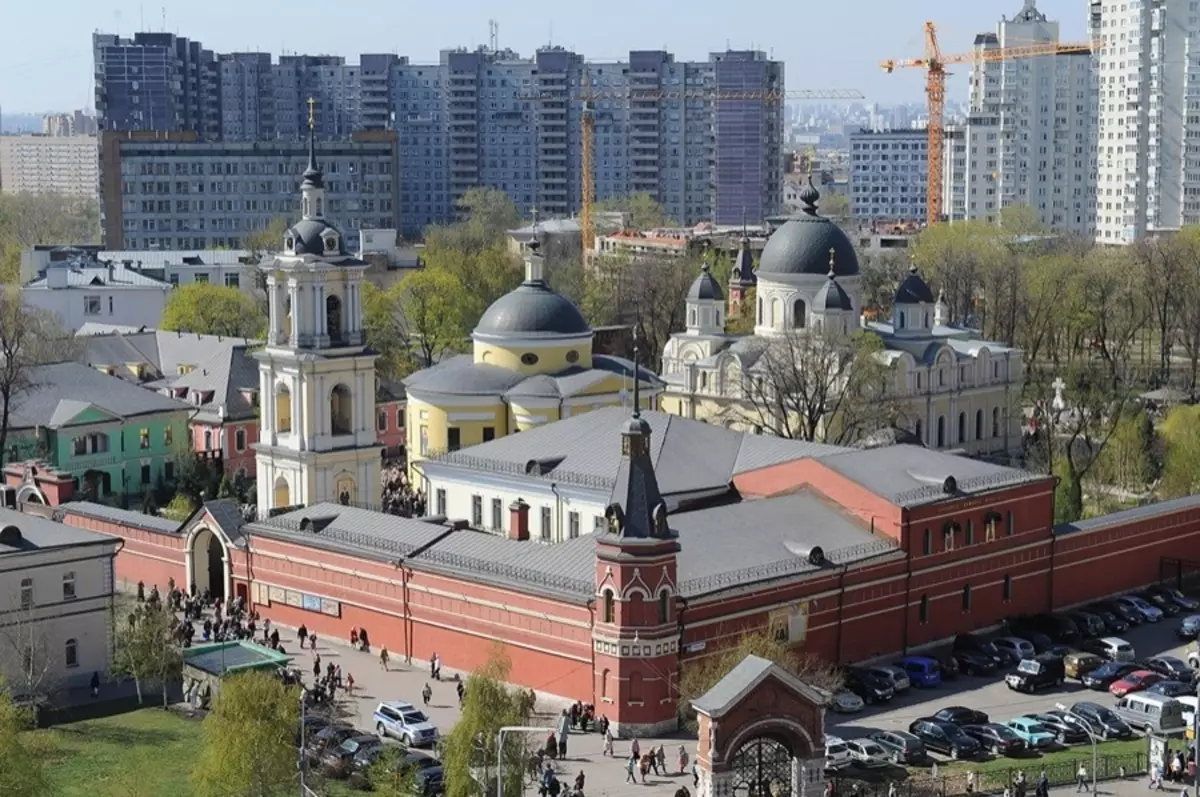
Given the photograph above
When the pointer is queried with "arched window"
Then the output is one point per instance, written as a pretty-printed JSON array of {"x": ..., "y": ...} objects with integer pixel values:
[
  {"x": 320, "y": 206},
  {"x": 610, "y": 606},
  {"x": 307, "y": 208},
  {"x": 966, "y": 598},
  {"x": 923, "y": 612},
  {"x": 962, "y": 427},
  {"x": 919, "y": 430},
  {"x": 995, "y": 421},
  {"x": 691, "y": 316},
  {"x": 282, "y": 493},
  {"x": 604, "y": 683},
  {"x": 341, "y": 414},
  {"x": 927, "y": 321},
  {"x": 333, "y": 318},
  {"x": 208, "y": 439},
  {"x": 704, "y": 380},
  {"x": 776, "y": 314},
  {"x": 799, "y": 314},
  {"x": 902, "y": 319},
  {"x": 664, "y": 607},
  {"x": 978, "y": 424},
  {"x": 941, "y": 431},
  {"x": 72, "y": 653},
  {"x": 283, "y": 409}
]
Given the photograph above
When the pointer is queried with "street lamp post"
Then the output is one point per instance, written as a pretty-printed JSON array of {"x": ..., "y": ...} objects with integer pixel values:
[
  {"x": 1087, "y": 728},
  {"x": 500, "y": 734}
]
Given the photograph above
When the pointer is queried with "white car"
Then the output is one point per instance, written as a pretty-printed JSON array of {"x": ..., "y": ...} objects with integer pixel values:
[
  {"x": 1117, "y": 649},
  {"x": 837, "y": 754},
  {"x": 846, "y": 702},
  {"x": 867, "y": 752}
]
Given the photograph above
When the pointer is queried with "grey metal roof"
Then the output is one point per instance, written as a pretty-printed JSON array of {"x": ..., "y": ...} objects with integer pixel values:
[
  {"x": 724, "y": 692},
  {"x": 911, "y": 475},
  {"x": 226, "y": 514},
  {"x": 227, "y": 374},
  {"x": 1157, "y": 509},
  {"x": 689, "y": 456},
  {"x": 766, "y": 539},
  {"x": 743, "y": 265},
  {"x": 461, "y": 375},
  {"x": 344, "y": 527},
  {"x": 308, "y": 237},
  {"x": 155, "y": 258},
  {"x": 62, "y": 390},
  {"x": 705, "y": 288},
  {"x": 832, "y": 297},
  {"x": 914, "y": 289},
  {"x": 125, "y": 516},
  {"x": 567, "y": 568},
  {"x": 803, "y": 244},
  {"x": 532, "y": 310},
  {"x": 93, "y": 276},
  {"x": 38, "y": 533}
]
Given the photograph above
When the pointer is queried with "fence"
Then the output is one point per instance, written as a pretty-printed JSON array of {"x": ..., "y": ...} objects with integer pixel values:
[
  {"x": 993, "y": 781},
  {"x": 1179, "y": 573}
]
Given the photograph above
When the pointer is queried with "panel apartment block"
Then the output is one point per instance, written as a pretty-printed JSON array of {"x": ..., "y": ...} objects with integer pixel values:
[{"x": 889, "y": 174}]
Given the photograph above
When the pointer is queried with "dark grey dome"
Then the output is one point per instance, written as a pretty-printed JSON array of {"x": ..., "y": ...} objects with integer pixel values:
[
  {"x": 809, "y": 244},
  {"x": 705, "y": 287},
  {"x": 308, "y": 235},
  {"x": 914, "y": 290},
  {"x": 832, "y": 297},
  {"x": 532, "y": 310}
]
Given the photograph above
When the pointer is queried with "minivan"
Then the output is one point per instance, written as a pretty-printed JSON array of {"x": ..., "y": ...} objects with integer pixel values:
[
  {"x": 1116, "y": 649},
  {"x": 1156, "y": 713},
  {"x": 922, "y": 670}
]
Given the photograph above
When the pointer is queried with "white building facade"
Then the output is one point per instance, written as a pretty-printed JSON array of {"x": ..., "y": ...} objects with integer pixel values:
[
  {"x": 85, "y": 292},
  {"x": 50, "y": 164},
  {"x": 57, "y": 593},
  {"x": 1148, "y": 117},
  {"x": 889, "y": 174}
]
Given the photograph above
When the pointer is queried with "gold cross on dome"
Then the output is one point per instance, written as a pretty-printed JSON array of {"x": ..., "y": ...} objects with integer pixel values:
[{"x": 312, "y": 119}]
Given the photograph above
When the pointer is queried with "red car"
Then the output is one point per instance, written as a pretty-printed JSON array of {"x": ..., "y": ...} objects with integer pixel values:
[{"x": 1136, "y": 681}]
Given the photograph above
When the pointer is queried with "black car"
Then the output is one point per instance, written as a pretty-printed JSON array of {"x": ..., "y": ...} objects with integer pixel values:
[
  {"x": 425, "y": 769},
  {"x": 329, "y": 736},
  {"x": 1102, "y": 721},
  {"x": 310, "y": 727},
  {"x": 1089, "y": 624},
  {"x": 997, "y": 738},
  {"x": 1122, "y": 610},
  {"x": 339, "y": 761},
  {"x": 976, "y": 644},
  {"x": 1169, "y": 607},
  {"x": 945, "y": 737},
  {"x": 961, "y": 715},
  {"x": 903, "y": 748},
  {"x": 1171, "y": 689},
  {"x": 949, "y": 667},
  {"x": 1066, "y": 729},
  {"x": 1185, "y": 602},
  {"x": 1188, "y": 628},
  {"x": 1113, "y": 622},
  {"x": 974, "y": 662},
  {"x": 871, "y": 688},
  {"x": 1172, "y": 667},
  {"x": 1103, "y": 676},
  {"x": 1041, "y": 672}
]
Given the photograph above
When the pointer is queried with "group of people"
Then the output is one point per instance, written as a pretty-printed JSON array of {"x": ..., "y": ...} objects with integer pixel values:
[
  {"x": 399, "y": 497},
  {"x": 652, "y": 760},
  {"x": 1176, "y": 766}
]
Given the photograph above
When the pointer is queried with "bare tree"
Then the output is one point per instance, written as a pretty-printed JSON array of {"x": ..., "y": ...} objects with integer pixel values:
[
  {"x": 646, "y": 291},
  {"x": 1160, "y": 260},
  {"x": 26, "y": 657},
  {"x": 824, "y": 386}
]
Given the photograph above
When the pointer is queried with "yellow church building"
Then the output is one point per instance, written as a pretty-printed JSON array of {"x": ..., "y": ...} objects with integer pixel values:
[{"x": 532, "y": 363}]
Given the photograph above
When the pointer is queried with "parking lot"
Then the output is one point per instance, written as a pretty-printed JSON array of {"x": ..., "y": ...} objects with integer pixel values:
[{"x": 992, "y": 696}]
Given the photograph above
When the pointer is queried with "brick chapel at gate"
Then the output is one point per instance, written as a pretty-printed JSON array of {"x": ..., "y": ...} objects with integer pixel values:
[{"x": 702, "y": 532}]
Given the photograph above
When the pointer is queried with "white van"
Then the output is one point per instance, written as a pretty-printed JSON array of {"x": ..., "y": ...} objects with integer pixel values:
[{"x": 1151, "y": 712}]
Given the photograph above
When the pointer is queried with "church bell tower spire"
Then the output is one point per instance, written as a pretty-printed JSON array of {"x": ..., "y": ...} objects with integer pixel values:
[{"x": 312, "y": 189}]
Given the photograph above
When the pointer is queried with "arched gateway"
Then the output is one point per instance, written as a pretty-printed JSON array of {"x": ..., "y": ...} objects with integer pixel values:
[{"x": 761, "y": 734}]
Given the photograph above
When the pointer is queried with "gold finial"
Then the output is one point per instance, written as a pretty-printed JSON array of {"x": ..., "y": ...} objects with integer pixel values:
[{"x": 312, "y": 117}]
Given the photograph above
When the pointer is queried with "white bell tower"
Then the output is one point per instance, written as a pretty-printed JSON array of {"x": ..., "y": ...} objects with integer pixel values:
[{"x": 316, "y": 377}]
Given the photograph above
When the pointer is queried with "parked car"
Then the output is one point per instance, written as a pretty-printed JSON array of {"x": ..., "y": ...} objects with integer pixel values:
[
  {"x": 997, "y": 738},
  {"x": 1115, "y": 649},
  {"x": 1041, "y": 672},
  {"x": 329, "y": 736},
  {"x": 922, "y": 671},
  {"x": 1135, "y": 681},
  {"x": 1089, "y": 624},
  {"x": 405, "y": 722},
  {"x": 1185, "y": 602},
  {"x": 971, "y": 642},
  {"x": 1033, "y": 733},
  {"x": 961, "y": 715},
  {"x": 1151, "y": 713},
  {"x": 1101, "y": 721},
  {"x": 1126, "y": 612},
  {"x": 1114, "y": 622},
  {"x": 837, "y": 754},
  {"x": 944, "y": 737},
  {"x": 1103, "y": 676},
  {"x": 1171, "y": 667},
  {"x": 1148, "y": 612},
  {"x": 1015, "y": 648},
  {"x": 846, "y": 702},
  {"x": 867, "y": 752},
  {"x": 949, "y": 667},
  {"x": 1189, "y": 627},
  {"x": 870, "y": 687},
  {"x": 1065, "y": 730},
  {"x": 339, "y": 761},
  {"x": 974, "y": 662},
  {"x": 310, "y": 727},
  {"x": 895, "y": 676},
  {"x": 1171, "y": 689},
  {"x": 901, "y": 747},
  {"x": 426, "y": 770},
  {"x": 1076, "y": 664},
  {"x": 1168, "y": 606}
]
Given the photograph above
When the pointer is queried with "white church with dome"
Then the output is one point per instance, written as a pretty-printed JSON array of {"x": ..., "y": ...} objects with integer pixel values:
[{"x": 963, "y": 392}]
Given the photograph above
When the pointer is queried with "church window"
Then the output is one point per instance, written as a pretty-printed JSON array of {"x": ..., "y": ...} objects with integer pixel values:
[
  {"x": 760, "y": 310},
  {"x": 290, "y": 243},
  {"x": 799, "y": 314},
  {"x": 966, "y": 598},
  {"x": 978, "y": 424},
  {"x": 453, "y": 438},
  {"x": 330, "y": 244},
  {"x": 691, "y": 316},
  {"x": 941, "y": 431},
  {"x": 477, "y": 511},
  {"x": 776, "y": 314},
  {"x": 917, "y": 430},
  {"x": 341, "y": 414},
  {"x": 704, "y": 380},
  {"x": 995, "y": 421},
  {"x": 282, "y": 493},
  {"x": 547, "y": 524},
  {"x": 962, "y": 427},
  {"x": 927, "y": 543},
  {"x": 604, "y": 683},
  {"x": 941, "y": 377},
  {"x": 320, "y": 206},
  {"x": 529, "y": 358},
  {"x": 333, "y": 318},
  {"x": 927, "y": 320},
  {"x": 610, "y": 608},
  {"x": 664, "y": 607},
  {"x": 283, "y": 409},
  {"x": 902, "y": 319},
  {"x": 923, "y": 612},
  {"x": 573, "y": 524},
  {"x": 572, "y": 356}
]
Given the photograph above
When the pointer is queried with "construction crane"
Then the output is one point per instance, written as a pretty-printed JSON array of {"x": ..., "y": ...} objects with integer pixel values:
[
  {"x": 588, "y": 124},
  {"x": 934, "y": 63}
]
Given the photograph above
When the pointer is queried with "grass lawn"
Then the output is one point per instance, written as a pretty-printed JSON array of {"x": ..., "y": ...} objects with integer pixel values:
[
  {"x": 1057, "y": 758},
  {"x": 148, "y": 752}
]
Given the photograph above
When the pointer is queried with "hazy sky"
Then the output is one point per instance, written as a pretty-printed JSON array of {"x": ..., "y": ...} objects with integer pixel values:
[{"x": 46, "y": 60}]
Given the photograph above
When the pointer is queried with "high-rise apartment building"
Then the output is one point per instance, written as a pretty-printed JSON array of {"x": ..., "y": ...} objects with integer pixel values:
[
  {"x": 695, "y": 135},
  {"x": 1148, "y": 116},
  {"x": 77, "y": 123},
  {"x": 889, "y": 174},
  {"x": 49, "y": 164},
  {"x": 1028, "y": 137}
]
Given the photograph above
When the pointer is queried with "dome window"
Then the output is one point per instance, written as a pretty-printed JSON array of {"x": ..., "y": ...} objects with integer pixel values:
[
  {"x": 290, "y": 244},
  {"x": 572, "y": 356},
  {"x": 330, "y": 243},
  {"x": 529, "y": 358}
]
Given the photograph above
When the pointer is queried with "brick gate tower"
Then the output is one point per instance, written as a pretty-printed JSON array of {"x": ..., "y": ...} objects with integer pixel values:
[{"x": 635, "y": 636}]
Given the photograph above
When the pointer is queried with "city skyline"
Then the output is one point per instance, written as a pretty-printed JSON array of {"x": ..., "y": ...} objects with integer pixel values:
[{"x": 60, "y": 78}]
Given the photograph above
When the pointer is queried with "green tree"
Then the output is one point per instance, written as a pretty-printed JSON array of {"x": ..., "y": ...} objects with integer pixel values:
[
  {"x": 145, "y": 649},
  {"x": 1181, "y": 465},
  {"x": 192, "y": 475},
  {"x": 431, "y": 303},
  {"x": 469, "y": 751},
  {"x": 645, "y": 212},
  {"x": 1126, "y": 461},
  {"x": 31, "y": 219},
  {"x": 485, "y": 274},
  {"x": 835, "y": 206},
  {"x": 207, "y": 309},
  {"x": 392, "y": 775},
  {"x": 485, "y": 215},
  {"x": 22, "y": 771},
  {"x": 247, "y": 739},
  {"x": 385, "y": 330},
  {"x": 1068, "y": 500},
  {"x": 261, "y": 243}
]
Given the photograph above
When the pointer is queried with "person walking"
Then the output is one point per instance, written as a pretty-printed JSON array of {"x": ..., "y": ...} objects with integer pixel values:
[
  {"x": 312, "y": 639},
  {"x": 350, "y": 684},
  {"x": 433, "y": 666},
  {"x": 1081, "y": 779},
  {"x": 383, "y": 658},
  {"x": 635, "y": 749},
  {"x": 683, "y": 760},
  {"x": 462, "y": 693},
  {"x": 630, "y": 764},
  {"x": 95, "y": 684},
  {"x": 660, "y": 761},
  {"x": 302, "y": 634},
  {"x": 427, "y": 693},
  {"x": 608, "y": 742}
]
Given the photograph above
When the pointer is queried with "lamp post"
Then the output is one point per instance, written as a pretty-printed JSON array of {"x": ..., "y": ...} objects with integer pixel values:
[
  {"x": 1086, "y": 724},
  {"x": 500, "y": 734}
]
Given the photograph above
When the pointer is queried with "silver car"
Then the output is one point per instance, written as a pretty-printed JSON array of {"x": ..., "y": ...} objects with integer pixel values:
[{"x": 897, "y": 677}]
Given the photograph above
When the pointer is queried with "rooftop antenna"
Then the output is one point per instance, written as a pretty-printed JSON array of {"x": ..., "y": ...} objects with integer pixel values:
[
  {"x": 551, "y": 33},
  {"x": 164, "y": 19},
  {"x": 494, "y": 35}
]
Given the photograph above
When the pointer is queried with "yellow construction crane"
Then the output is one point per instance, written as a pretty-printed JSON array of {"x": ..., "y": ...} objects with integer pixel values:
[
  {"x": 588, "y": 124},
  {"x": 934, "y": 63}
]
